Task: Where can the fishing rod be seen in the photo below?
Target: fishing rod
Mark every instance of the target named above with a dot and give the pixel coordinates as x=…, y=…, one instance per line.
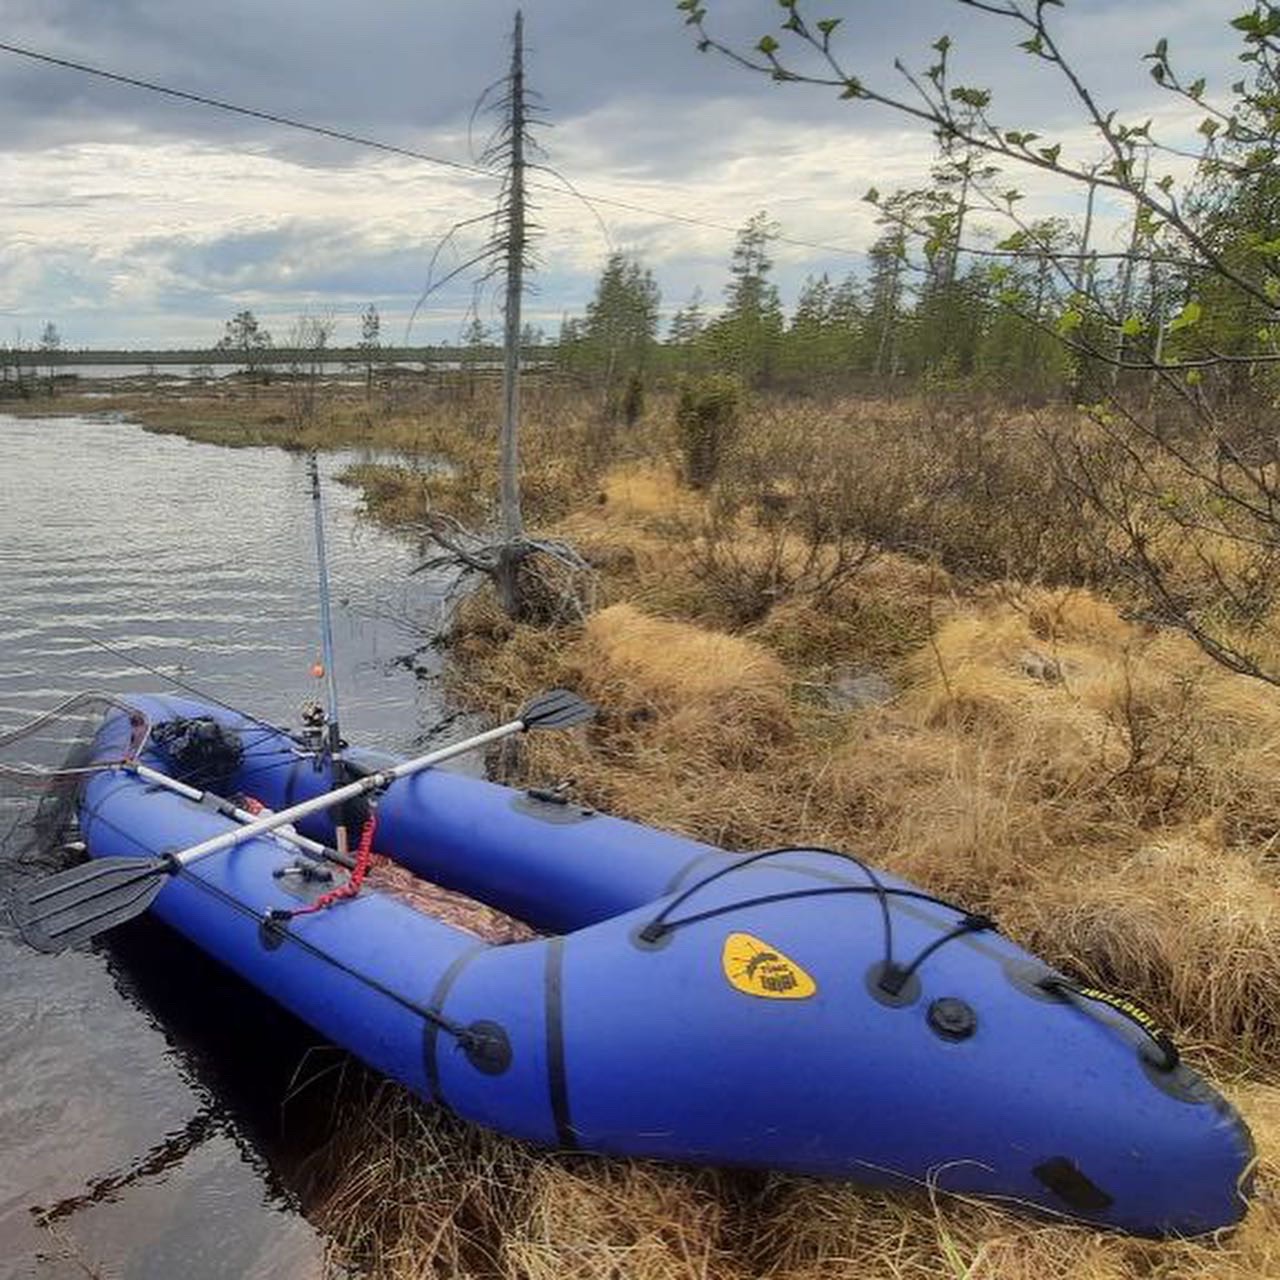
x=333, y=733
x=132, y=658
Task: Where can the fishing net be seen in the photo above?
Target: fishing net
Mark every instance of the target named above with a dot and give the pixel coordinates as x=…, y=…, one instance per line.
x=43, y=764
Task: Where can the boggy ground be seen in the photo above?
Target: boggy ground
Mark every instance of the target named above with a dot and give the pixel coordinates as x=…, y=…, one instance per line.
x=982, y=708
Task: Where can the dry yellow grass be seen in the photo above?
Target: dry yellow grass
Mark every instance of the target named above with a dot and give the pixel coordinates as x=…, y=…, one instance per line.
x=1189, y=927
x=703, y=688
x=1102, y=788
x=412, y=1193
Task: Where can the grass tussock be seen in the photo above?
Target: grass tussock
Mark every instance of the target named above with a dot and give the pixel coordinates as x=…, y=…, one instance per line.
x=1190, y=928
x=717, y=694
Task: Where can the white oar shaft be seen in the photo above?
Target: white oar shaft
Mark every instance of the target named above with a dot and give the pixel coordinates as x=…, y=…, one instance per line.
x=327, y=800
x=159, y=779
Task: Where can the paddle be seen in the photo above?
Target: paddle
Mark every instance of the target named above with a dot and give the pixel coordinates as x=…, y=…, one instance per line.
x=73, y=906
x=228, y=810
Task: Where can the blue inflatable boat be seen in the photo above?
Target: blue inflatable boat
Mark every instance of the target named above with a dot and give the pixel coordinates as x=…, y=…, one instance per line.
x=792, y=1009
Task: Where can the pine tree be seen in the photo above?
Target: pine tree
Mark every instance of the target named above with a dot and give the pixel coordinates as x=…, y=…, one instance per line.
x=749, y=333
x=621, y=326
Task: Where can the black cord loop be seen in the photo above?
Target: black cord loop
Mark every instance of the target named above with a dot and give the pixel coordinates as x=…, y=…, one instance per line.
x=893, y=977
x=896, y=977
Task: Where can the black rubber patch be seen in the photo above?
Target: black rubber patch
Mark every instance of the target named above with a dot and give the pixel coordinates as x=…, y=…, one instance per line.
x=557, y=1082
x=906, y=995
x=306, y=888
x=488, y=1047
x=643, y=940
x=556, y=813
x=952, y=1019
x=1181, y=1083
x=431, y=1030
x=1071, y=1186
x=1027, y=976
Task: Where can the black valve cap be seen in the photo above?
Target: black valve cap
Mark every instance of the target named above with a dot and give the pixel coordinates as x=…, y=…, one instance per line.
x=952, y=1019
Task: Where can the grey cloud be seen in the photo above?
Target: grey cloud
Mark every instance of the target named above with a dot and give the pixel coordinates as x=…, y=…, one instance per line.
x=630, y=95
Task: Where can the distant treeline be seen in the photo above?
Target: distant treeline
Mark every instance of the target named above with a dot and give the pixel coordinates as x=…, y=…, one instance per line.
x=25, y=358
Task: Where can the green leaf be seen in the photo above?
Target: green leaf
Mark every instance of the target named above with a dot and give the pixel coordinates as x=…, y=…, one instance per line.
x=976, y=98
x=1162, y=49
x=942, y=44
x=1209, y=126
x=1069, y=321
x=1194, y=377
x=767, y=45
x=1187, y=317
x=828, y=25
x=853, y=88
x=1132, y=327
x=1196, y=88
x=1052, y=153
x=872, y=196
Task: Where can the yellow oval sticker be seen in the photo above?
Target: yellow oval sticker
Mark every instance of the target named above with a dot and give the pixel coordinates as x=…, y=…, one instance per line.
x=757, y=969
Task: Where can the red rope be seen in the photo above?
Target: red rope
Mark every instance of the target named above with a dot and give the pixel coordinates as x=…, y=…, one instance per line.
x=364, y=860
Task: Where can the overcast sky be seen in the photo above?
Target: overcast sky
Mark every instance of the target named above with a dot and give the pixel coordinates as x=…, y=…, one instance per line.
x=130, y=219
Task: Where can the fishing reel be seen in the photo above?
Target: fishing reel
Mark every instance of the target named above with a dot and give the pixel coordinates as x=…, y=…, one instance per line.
x=315, y=725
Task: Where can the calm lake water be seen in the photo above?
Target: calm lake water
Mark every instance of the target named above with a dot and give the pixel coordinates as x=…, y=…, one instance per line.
x=145, y=1094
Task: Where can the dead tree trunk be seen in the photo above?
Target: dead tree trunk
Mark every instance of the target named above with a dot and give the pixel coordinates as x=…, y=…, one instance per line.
x=536, y=579
x=511, y=521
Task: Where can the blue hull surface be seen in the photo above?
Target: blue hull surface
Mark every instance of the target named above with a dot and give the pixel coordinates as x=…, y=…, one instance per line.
x=691, y=1005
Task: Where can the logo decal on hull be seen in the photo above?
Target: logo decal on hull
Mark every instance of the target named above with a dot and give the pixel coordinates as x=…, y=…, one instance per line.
x=758, y=969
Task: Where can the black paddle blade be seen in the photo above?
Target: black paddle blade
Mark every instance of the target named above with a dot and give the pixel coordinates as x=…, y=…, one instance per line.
x=557, y=709
x=73, y=906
